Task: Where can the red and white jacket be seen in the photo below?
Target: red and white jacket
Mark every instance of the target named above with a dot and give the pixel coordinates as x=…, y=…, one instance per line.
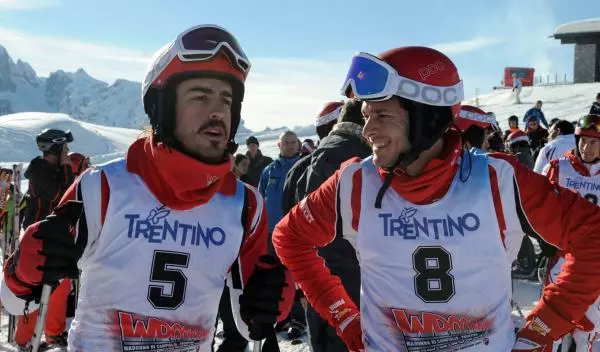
x=523, y=202
x=162, y=233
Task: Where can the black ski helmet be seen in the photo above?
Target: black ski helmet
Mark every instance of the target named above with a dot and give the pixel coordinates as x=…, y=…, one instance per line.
x=51, y=140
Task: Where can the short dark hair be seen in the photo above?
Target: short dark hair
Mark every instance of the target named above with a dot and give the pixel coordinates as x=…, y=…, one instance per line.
x=474, y=135
x=553, y=121
x=598, y=96
x=495, y=143
x=252, y=140
x=323, y=130
x=351, y=112
x=565, y=127
x=539, y=102
x=513, y=118
x=516, y=146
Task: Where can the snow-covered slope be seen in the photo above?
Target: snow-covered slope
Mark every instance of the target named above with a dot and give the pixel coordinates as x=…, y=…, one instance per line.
x=18, y=131
x=568, y=102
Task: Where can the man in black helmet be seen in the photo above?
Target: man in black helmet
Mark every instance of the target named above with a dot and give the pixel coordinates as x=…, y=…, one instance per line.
x=49, y=175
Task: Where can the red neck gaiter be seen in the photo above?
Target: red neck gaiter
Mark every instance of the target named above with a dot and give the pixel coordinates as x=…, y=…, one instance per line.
x=178, y=181
x=435, y=179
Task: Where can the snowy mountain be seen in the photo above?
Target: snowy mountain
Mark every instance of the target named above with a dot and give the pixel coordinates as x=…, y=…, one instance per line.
x=18, y=131
x=76, y=94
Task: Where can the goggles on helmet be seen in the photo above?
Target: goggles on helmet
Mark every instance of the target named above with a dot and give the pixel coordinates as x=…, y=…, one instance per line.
x=204, y=42
x=370, y=78
x=589, y=122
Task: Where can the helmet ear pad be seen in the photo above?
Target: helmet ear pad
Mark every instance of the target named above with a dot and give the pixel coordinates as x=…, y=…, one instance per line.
x=159, y=105
x=427, y=125
x=56, y=149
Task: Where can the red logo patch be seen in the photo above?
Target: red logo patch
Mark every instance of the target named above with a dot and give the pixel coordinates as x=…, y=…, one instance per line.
x=140, y=333
x=441, y=332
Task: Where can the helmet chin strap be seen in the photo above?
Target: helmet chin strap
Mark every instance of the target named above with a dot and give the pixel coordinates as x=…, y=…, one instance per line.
x=404, y=159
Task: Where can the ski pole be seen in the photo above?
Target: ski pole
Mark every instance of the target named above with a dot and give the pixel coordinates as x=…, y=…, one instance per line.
x=34, y=343
x=516, y=306
x=257, y=346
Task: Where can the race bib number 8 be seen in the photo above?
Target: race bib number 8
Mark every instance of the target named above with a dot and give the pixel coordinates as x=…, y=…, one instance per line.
x=433, y=281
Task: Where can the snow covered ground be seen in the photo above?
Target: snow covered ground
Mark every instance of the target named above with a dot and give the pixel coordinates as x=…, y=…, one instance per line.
x=568, y=102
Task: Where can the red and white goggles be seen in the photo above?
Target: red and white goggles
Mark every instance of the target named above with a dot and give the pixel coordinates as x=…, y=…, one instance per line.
x=205, y=41
x=370, y=78
x=199, y=43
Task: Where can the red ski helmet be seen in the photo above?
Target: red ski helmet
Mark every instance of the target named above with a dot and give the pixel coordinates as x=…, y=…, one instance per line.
x=428, y=86
x=427, y=83
x=205, y=51
x=470, y=115
x=589, y=126
x=329, y=113
x=517, y=136
x=79, y=162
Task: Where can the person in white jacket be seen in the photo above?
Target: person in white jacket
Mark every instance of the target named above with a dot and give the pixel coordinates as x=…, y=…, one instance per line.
x=562, y=141
x=517, y=86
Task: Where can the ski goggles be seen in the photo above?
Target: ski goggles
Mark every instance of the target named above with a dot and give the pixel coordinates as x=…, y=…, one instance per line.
x=203, y=42
x=67, y=138
x=588, y=122
x=473, y=116
x=370, y=78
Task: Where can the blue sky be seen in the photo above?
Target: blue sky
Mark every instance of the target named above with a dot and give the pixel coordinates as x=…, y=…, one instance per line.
x=300, y=50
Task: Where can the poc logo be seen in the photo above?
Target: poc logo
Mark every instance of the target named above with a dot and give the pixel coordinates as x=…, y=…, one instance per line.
x=431, y=95
x=431, y=69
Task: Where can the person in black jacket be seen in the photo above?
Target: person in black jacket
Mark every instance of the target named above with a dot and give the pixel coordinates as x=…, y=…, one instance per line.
x=294, y=180
x=343, y=142
x=49, y=175
x=257, y=162
x=328, y=117
x=595, y=110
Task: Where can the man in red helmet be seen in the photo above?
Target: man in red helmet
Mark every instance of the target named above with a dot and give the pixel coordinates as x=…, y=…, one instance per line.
x=432, y=225
x=79, y=163
x=518, y=143
x=159, y=232
x=474, y=123
x=327, y=118
x=579, y=171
